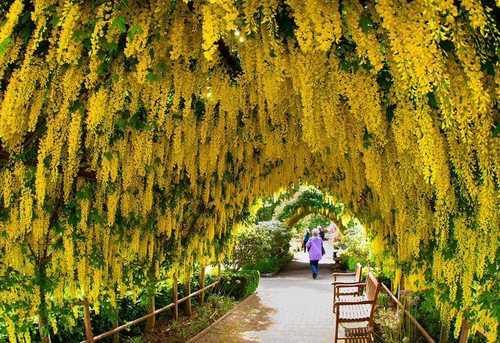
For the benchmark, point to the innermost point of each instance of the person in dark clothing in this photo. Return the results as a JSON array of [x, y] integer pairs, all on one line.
[[322, 233], [306, 238]]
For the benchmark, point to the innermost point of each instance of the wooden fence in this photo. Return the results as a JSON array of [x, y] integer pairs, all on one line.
[[151, 315], [412, 319], [175, 305]]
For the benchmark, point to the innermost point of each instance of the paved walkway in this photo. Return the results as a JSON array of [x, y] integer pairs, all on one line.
[[289, 307]]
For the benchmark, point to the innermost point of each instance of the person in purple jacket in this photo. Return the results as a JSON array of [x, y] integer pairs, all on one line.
[[315, 247]]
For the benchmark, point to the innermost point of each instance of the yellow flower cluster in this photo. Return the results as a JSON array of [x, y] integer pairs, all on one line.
[[133, 135]]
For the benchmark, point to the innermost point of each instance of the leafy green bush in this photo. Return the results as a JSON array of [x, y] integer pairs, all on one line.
[[425, 312], [280, 237], [354, 246], [239, 284], [272, 264], [264, 247], [279, 247], [252, 245]]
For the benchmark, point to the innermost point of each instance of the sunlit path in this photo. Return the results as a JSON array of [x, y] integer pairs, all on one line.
[[290, 307]]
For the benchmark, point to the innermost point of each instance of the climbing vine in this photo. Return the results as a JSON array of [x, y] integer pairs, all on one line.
[[133, 134]]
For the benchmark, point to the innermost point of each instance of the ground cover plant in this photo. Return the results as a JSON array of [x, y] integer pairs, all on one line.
[[187, 327]]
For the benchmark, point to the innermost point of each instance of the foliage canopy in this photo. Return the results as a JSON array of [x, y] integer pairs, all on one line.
[[135, 133]]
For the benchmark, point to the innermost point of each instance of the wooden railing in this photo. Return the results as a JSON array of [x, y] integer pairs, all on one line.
[[175, 305], [419, 327]]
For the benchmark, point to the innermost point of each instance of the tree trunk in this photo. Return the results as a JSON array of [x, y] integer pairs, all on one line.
[[88, 325], [151, 321], [43, 321], [44, 328], [464, 332]]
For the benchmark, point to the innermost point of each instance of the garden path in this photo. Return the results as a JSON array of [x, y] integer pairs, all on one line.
[[289, 307]]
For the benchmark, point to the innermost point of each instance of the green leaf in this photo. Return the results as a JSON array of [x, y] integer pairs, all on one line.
[[110, 47], [496, 130], [152, 76], [103, 68], [4, 45], [55, 20], [4, 216], [85, 192], [138, 120], [108, 155], [81, 35], [366, 23], [47, 161], [120, 23], [133, 31], [432, 101], [390, 112]]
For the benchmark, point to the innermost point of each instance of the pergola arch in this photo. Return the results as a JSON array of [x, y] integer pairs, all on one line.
[[137, 132], [309, 200]]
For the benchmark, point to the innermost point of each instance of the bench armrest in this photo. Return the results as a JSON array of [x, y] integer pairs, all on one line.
[[343, 274], [336, 287], [351, 284], [344, 283]]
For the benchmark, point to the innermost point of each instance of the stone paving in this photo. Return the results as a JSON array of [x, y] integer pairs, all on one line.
[[289, 307]]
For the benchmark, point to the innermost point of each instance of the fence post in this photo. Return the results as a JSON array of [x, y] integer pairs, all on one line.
[[445, 331], [187, 287], [202, 284], [150, 323], [116, 336], [88, 325], [464, 332], [175, 296]]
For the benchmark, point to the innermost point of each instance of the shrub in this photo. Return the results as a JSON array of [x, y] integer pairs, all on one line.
[[280, 237], [252, 245], [279, 247], [272, 264], [389, 326], [264, 247], [239, 284], [425, 311]]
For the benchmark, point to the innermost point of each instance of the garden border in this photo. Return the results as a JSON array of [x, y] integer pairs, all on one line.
[[266, 275], [205, 330]]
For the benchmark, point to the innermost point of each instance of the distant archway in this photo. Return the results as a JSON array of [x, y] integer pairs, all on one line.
[[309, 200]]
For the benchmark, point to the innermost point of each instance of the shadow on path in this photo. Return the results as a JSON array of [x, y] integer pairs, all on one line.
[[242, 324], [289, 307]]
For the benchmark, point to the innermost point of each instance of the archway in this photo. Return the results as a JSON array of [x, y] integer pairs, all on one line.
[[308, 200], [135, 134], [289, 207]]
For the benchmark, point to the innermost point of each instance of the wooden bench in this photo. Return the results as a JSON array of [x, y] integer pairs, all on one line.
[[346, 278], [359, 335], [357, 309]]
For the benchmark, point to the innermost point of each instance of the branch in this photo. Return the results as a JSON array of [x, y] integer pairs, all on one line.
[[4, 155]]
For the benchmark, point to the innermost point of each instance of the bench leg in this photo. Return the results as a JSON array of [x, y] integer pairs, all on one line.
[[336, 327]]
